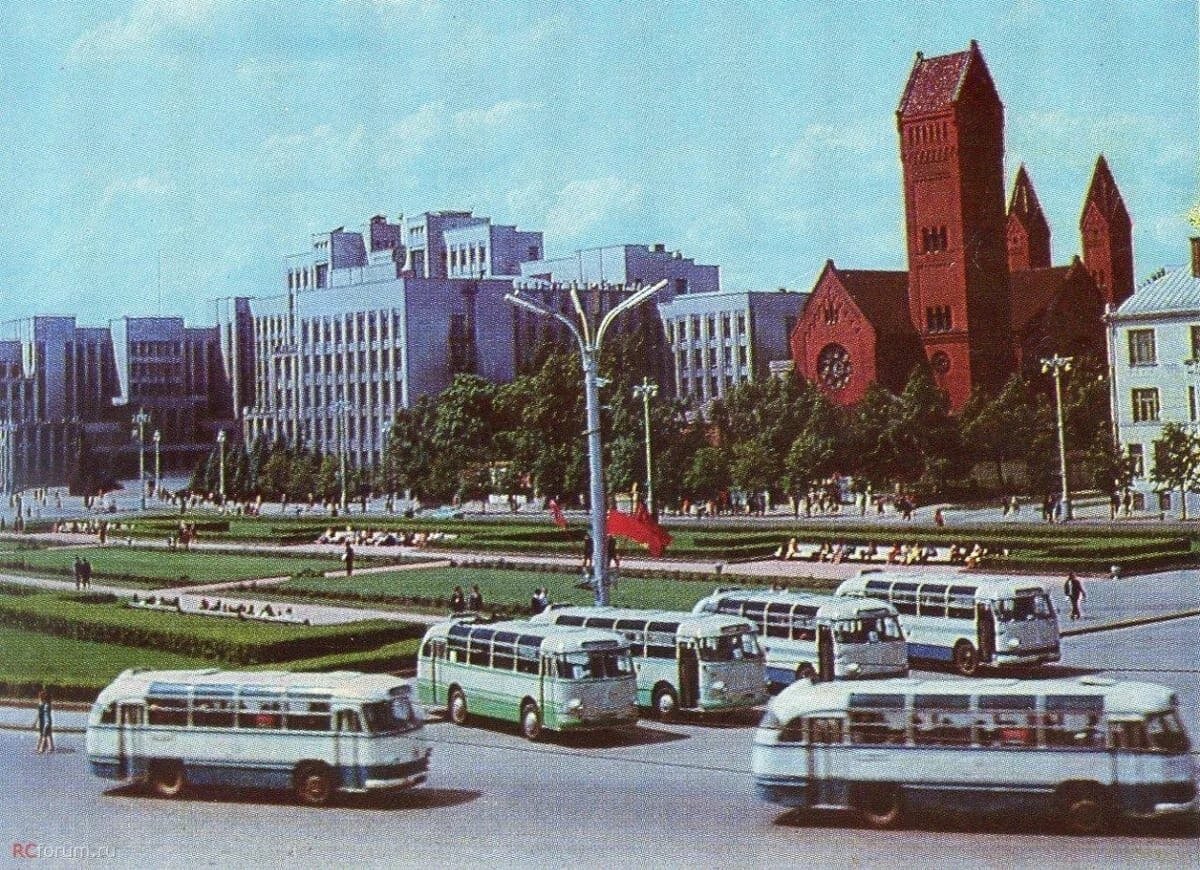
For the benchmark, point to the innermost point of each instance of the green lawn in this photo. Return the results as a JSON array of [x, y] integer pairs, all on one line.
[[512, 587], [130, 566]]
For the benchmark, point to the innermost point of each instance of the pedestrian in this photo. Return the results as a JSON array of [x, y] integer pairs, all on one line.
[[78, 573], [587, 552], [458, 603], [1127, 502], [1114, 505], [86, 574], [1074, 591], [939, 519], [543, 598], [614, 558], [45, 723], [348, 558], [535, 601], [475, 599]]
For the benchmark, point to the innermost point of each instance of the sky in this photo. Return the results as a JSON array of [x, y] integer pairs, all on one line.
[[164, 153]]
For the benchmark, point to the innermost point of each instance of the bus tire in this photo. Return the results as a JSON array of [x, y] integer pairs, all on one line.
[[1085, 811], [881, 805], [806, 672], [531, 721], [666, 704], [966, 658], [167, 778], [314, 784], [456, 707]]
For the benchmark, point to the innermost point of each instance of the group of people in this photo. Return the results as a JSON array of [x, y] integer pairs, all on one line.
[[83, 574], [471, 602]]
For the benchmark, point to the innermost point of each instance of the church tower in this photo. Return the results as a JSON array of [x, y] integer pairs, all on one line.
[[1028, 231], [951, 126], [1107, 233]]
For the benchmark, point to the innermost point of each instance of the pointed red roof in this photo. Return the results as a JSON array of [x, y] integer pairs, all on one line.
[[1104, 193], [935, 82], [1024, 201]]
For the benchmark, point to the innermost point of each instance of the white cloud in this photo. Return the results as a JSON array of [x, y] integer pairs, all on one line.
[[499, 115], [323, 147], [145, 22], [145, 186], [820, 143], [584, 203]]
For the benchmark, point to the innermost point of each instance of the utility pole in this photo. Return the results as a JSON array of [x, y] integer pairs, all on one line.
[[646, 391], [140, 419], [1056, 366]]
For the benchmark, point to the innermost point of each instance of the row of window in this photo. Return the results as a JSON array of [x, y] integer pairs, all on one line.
[[937, 318], [933, 240], [301, 279], [730, 324], [1142, 349], [1147, 405], [699, 361]]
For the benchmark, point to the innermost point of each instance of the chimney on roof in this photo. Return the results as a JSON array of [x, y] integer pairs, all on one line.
[[659, 248], [1196, 256]]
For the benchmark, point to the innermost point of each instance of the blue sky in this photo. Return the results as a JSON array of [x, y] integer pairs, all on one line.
[[192, 144]]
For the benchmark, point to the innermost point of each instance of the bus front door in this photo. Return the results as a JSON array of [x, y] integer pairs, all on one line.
[[985, 631], [131, 717], [689, 676], [437, 651], [346, 751], [824, 787], [824, 653]]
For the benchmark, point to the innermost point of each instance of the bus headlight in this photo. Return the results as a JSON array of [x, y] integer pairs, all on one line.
[[1013, 642], [853, 668], [575, 706], [718, 688]]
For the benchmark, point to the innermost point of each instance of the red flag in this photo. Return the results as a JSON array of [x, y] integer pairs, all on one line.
[[556, 515], [641, 528]]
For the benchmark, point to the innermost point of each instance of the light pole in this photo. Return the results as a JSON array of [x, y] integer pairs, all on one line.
[[221, 465], [157, 439], [646, 391], [384, 468], [7, 459], [589, 341], [1192, 366], [1055, 366], [140, 419], [339, 408]]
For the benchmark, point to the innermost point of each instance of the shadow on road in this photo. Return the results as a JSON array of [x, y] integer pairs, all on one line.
[[639, 735], [419, 798]]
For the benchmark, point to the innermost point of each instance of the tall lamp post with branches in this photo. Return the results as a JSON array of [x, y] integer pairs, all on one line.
[[646, 391], [1057, 366], [590, 339], [140, 419]]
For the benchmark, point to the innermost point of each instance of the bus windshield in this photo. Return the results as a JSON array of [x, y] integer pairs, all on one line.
[[867, 629], [1166, 732], [595, 665], [729, 647], [397, 714], [1023, 607]]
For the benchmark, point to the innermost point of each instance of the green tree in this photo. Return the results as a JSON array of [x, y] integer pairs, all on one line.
[[924, 434], [1109, 468], [274, 476], [753, 467], [809, 461], [1177, 461], [707, 477], [329, 485], [995, 428]]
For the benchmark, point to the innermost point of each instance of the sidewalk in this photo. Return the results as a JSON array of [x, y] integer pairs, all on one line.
[[17, 715]]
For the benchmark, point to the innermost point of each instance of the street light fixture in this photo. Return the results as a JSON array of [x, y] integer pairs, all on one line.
[[221, 465], [340, 407], [646, 391], [140, 419], [157, 439], [589, 341], [1056, 366]]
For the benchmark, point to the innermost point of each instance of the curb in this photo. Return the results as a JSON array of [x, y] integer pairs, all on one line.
[[1128, 623], [68, 729]]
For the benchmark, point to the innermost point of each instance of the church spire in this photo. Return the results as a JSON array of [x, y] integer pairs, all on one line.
[[1107, 232], [1028, 233]]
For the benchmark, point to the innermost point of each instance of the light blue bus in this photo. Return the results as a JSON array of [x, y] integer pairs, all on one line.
[[684, 661], [317, 734]]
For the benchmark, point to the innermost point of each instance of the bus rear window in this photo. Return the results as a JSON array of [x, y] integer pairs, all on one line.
[[728, 648], [383, 717], [594, 665], [1023, 607], [1166, 732]]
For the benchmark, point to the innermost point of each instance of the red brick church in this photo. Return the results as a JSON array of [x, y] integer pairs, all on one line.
[[980, 299]]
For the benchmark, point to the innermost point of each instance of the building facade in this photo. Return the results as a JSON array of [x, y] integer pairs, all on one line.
[[1154, 352], [720, 339], [979, 299]]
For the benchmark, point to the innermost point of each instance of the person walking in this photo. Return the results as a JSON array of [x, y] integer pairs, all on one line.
[[85, 573], [475, 599], [78, 573], [348, 558], [1074, 591], [458, 602], [45, 723]]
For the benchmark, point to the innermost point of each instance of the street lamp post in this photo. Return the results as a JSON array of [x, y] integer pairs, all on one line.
[[646, 391], [140, 419], [589, 341], [157, 439], [1056, 366], [221, 465]]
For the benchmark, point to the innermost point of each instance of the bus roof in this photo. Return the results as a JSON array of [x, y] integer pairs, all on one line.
[[552, 639], [1119, 696], [830, 606], [689, 624], [986, 587], [136, 683]]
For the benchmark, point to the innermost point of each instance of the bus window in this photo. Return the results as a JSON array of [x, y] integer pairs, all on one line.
[[528, 654], [108, 716], [660, 644], [932, 727], [381, 716], [962, 603], [904, 598], [793, 731], [728, 648], [1128, 735], [503, 655], [308, 715], [933, 600], [877, 726], [804, 623], [212, 712], [777, 620], [348, 722], [1023, 607], [825, 729], [631, 625], [259, 712], [168, 710], [1166, 732], [480, 651], [594, 665]]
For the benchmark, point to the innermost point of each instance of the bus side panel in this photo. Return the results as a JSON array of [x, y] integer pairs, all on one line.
[[651, 672]]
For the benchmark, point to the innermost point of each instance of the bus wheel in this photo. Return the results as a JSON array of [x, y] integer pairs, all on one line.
[[806, 672], [1085, 812], [880, 805], [167, 778], [966, 659], [531, 721], [458, 707], [665, 703], [314, 784]]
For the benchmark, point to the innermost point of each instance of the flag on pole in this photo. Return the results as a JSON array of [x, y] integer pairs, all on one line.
[[640, 527], [556, 515]]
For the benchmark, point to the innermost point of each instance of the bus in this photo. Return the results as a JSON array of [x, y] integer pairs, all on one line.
[[1085, 750], [543, 677], [695, 662], [317, 734], [965, 620], [817, 637]]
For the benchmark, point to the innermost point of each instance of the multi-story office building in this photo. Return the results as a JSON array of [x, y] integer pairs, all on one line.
[[1154, 351], [627, 265], [364, 329], [720, 339]]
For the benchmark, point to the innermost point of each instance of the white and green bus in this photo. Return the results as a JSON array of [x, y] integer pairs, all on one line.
[[317, 734], [684, 661], [543, 677]]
